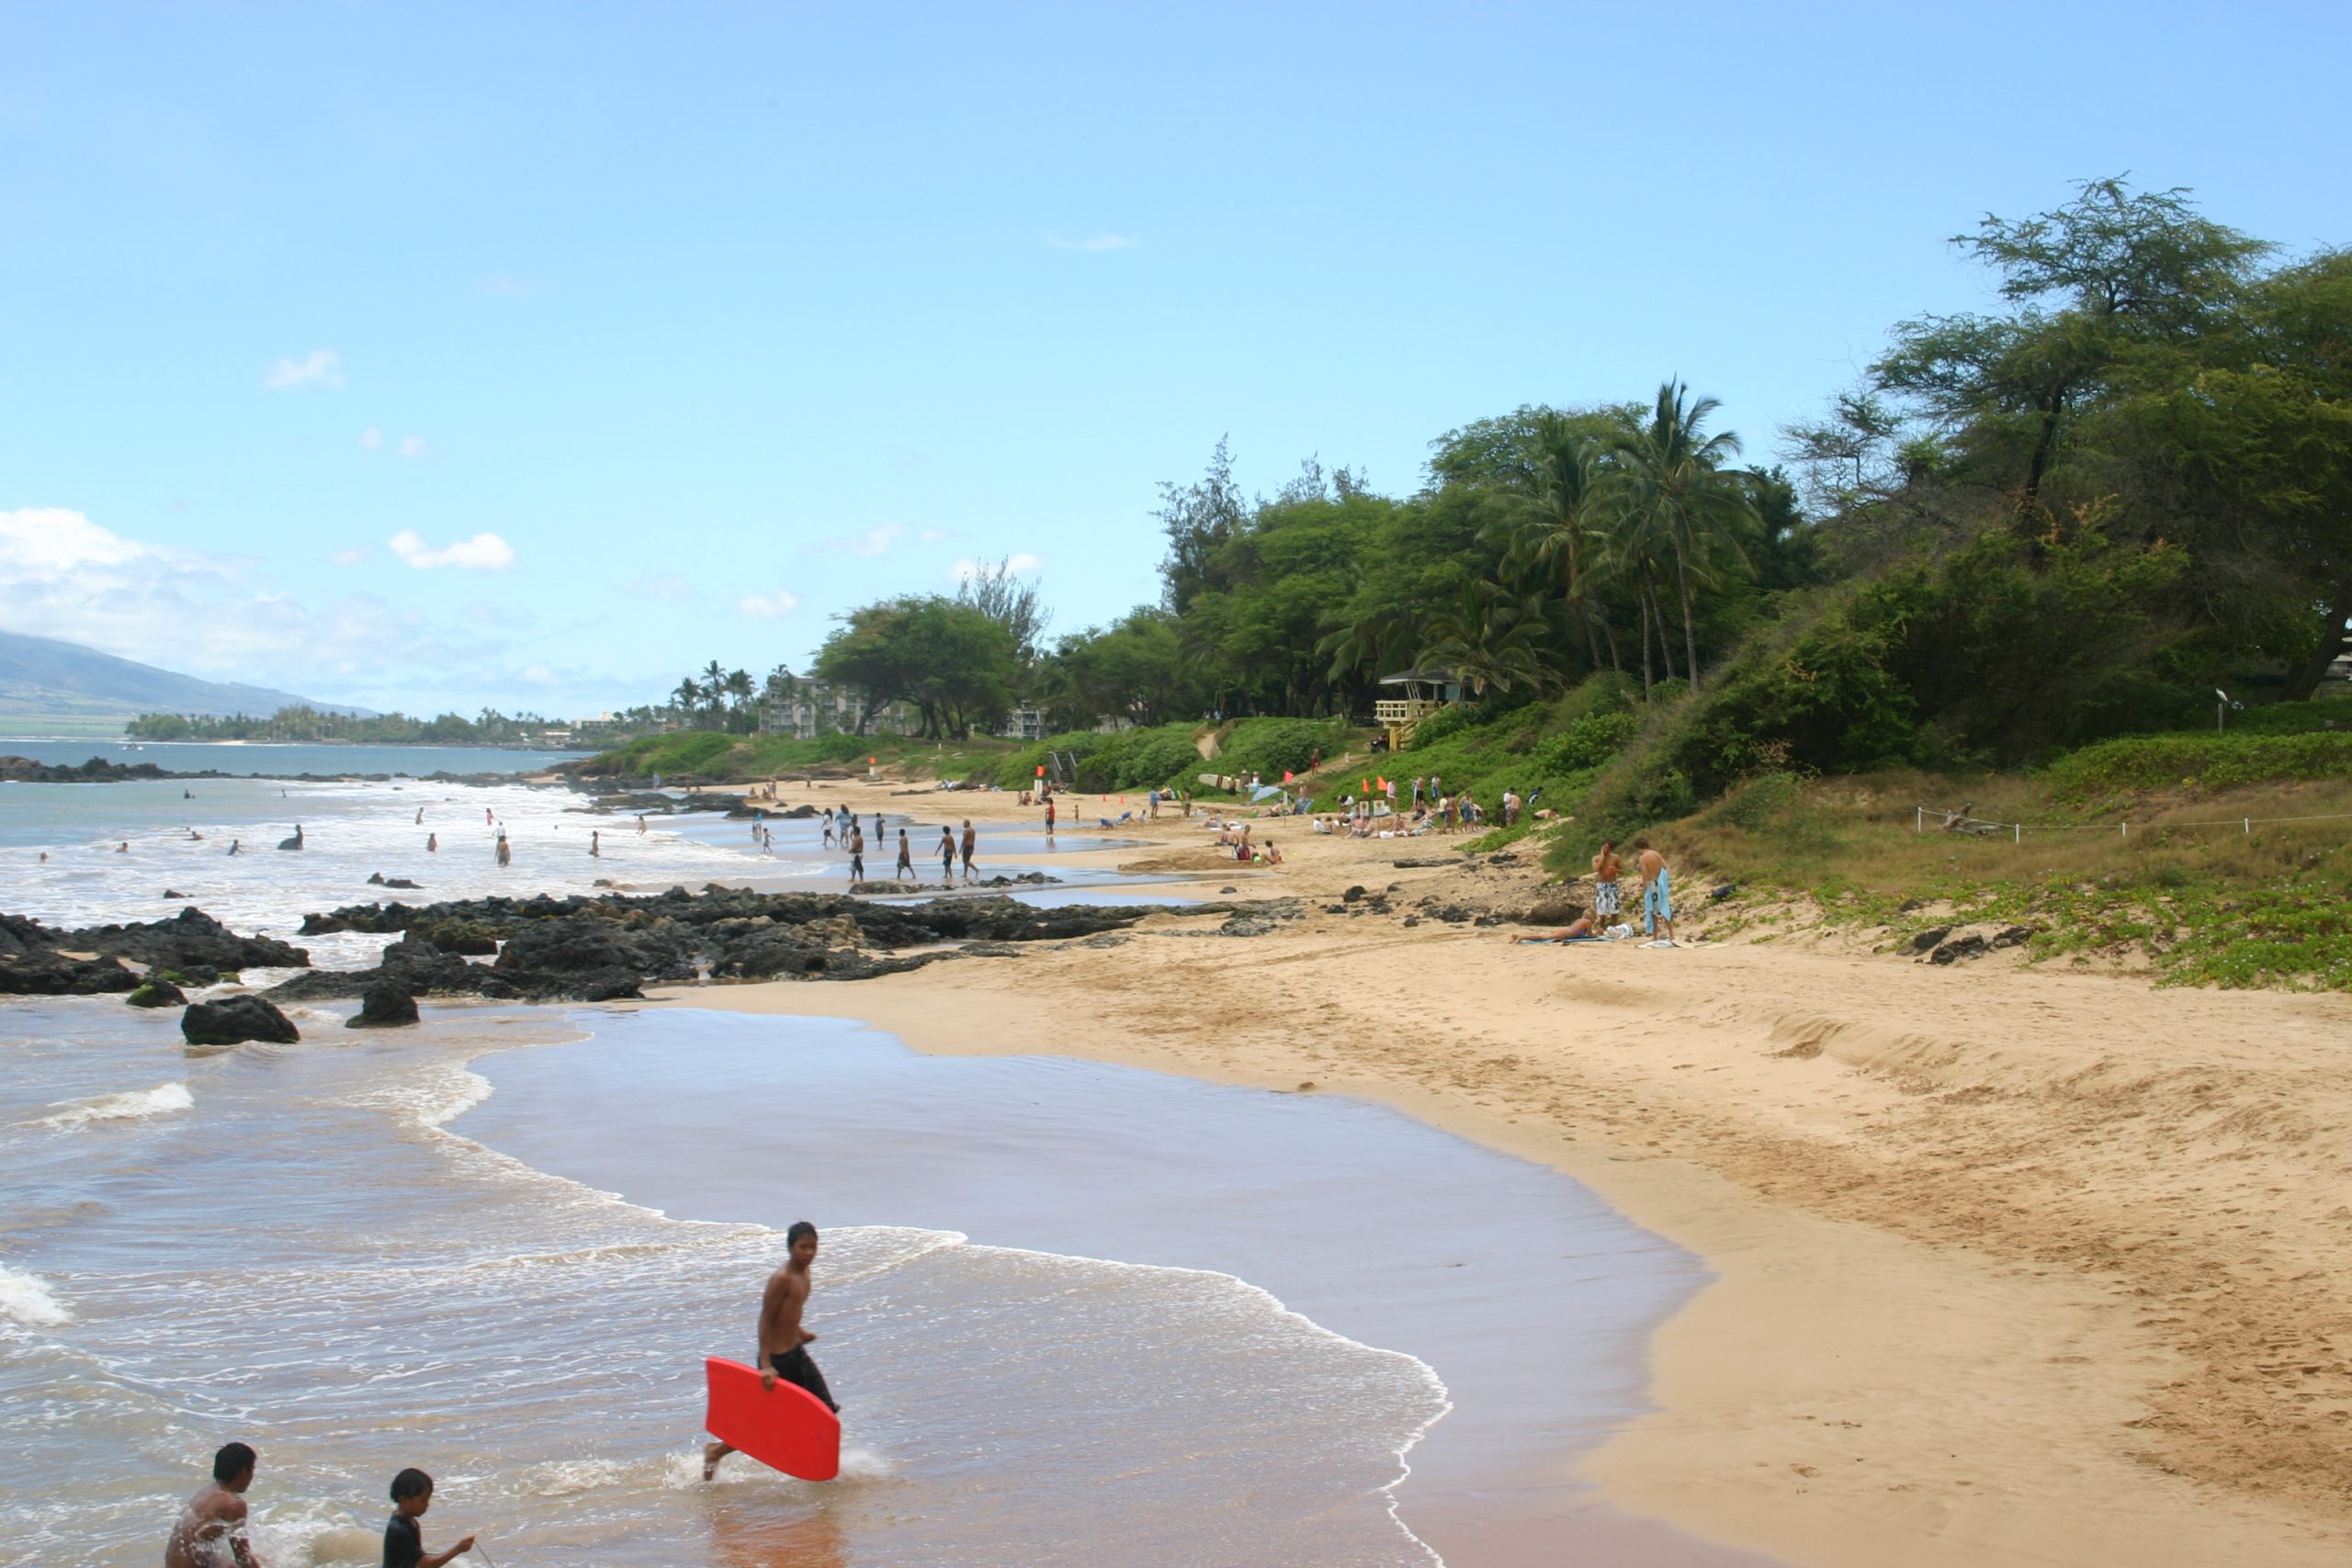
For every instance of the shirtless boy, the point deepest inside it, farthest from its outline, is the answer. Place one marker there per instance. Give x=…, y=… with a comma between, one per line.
x=783, y=1344
x=1606, y=869
x=215, y=1517
x=1657, y=898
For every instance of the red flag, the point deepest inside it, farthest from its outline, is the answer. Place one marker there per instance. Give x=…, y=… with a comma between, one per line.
x=1288, y=776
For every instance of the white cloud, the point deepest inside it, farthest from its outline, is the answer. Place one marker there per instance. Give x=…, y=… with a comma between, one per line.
x=769, y=606
x=322, y=368
x=483, y=552
x=371, y=438
x=416, y=447
x=668, y=586
x=873, y=541
x=932, y=536
x=1018, y=564
x=351, y=557
x=1095, y=242
x=538, y=676
x=65, y=576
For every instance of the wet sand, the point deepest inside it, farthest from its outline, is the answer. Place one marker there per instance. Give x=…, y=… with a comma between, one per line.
x=1531, y=1299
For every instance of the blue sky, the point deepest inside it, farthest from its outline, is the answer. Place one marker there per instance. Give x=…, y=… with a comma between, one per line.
x=437, y=356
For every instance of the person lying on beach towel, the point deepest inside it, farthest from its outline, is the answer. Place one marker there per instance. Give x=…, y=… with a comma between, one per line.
x=1578, y=929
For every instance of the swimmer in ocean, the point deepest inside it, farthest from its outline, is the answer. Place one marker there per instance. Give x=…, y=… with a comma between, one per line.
x=215, y=1517
x=783, y=1342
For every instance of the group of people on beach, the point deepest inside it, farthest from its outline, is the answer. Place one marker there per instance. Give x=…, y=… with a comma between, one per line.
x=210, y=1531
x=1602, y=923
x=846, y=832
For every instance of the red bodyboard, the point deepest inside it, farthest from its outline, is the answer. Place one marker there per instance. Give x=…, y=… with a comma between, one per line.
x=785, y=1427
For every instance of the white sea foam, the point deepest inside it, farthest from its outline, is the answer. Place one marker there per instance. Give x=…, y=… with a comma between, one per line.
x=28, y=1299
x=132, y=1105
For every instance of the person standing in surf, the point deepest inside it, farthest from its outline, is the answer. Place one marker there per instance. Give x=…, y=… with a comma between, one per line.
x=783, y=1342
x=214, y=1518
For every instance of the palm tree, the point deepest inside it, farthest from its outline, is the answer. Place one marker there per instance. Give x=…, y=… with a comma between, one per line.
x=1489, y=637
x=714, y=685
x=1558, y=528
x=687, y=697
x=1669, y=488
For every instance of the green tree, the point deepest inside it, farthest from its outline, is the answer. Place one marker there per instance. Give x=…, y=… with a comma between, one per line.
x=1672, y=495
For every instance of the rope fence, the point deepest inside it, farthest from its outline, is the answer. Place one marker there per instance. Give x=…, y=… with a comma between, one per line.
x=1978, y=826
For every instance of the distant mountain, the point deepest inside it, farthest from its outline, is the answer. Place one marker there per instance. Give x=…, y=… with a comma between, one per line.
x=41, y=677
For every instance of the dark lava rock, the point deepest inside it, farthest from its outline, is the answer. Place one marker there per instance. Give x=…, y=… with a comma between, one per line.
x=97, y=770
x=188, y=937
x=1550, y=912
x=173, y=893
x=1973, y=945
x=1929, y=938
x=1424, y=862
x=383, y=1005
x=1007, y=950
x=43, y=974
x=468, y=937
x=1412, y=920
x=1244, y=925
x=157, y=994
x=234, y=1020
x=1351, y=895
x=378, y=879
x=2015, y=936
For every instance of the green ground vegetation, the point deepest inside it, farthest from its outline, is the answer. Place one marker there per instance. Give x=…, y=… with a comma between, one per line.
x=719, y=757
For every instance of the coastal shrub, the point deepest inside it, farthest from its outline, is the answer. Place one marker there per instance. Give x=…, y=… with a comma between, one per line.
x=1271, y=746
x=1587, y=743
x=2206, y=762
x=2285, y=718
x=1443, y=726
x=1155, y=757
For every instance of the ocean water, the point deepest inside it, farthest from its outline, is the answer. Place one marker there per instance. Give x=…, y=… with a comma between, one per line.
x=287, y=1247
x=1077, y=1315
x=289, y=759
x=114, y=850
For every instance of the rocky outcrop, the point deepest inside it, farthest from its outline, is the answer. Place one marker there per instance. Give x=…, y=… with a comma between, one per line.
x=97, y=770
x=596, y=948
x=188, y=939
x=384, y=1004
x=191, y=948
x=155, y=993
x=232, y=1021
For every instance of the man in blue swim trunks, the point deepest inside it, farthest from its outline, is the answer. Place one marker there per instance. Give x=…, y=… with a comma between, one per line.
x=1658, y=899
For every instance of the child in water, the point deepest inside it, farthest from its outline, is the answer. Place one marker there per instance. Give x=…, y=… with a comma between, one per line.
x=403, y=1538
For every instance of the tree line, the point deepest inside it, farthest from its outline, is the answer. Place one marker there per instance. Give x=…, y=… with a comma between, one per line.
x=299, y=724
x=2067, y=516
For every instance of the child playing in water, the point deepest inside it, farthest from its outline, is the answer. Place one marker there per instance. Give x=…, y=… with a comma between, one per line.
x=403, y=1538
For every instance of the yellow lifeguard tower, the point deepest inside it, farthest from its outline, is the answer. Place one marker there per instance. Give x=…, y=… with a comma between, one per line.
x=1421, y=694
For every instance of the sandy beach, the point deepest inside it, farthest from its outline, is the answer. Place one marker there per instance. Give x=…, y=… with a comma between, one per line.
x=2011, y=1265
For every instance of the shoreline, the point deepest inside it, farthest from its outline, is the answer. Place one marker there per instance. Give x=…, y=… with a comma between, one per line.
x=1894, y=1363
x=1092, y=1164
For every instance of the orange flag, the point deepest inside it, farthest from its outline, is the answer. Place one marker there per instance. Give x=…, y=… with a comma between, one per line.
x=1288, y=776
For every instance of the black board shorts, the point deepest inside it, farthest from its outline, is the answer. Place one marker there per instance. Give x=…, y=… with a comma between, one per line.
x=797, y=1368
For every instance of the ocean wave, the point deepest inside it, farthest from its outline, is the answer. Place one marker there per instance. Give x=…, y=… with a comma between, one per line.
x=131, y=1105
x=28, y=1299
